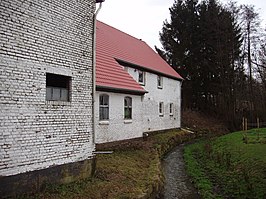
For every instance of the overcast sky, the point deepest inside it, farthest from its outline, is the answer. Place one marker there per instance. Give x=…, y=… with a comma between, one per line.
x=143, y=19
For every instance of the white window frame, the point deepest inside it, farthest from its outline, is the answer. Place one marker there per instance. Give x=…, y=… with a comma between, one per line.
x=159, y=81
x=143, y=77
x=161, y=109
x=171, y=109
x=127, y=106
x=103, y=107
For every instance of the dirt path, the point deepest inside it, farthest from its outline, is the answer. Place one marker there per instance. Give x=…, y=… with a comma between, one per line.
x=177, y=183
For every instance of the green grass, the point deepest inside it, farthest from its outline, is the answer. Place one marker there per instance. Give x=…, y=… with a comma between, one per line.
x=231, y=166
x=131, y=172
x=204, y=185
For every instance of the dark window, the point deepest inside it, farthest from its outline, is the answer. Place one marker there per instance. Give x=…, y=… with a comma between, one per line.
x=141, y=77
x=159, y=81
x=128, y=108
x=57, y=87
x=104, y=107
x=171, y=108
x=161, y=108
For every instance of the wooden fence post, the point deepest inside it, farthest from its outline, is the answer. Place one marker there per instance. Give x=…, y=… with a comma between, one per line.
x=258, y=122
x=243, y=124
x=246, y=124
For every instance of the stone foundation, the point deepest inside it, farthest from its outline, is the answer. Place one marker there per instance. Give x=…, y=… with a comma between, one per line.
x=35, y=181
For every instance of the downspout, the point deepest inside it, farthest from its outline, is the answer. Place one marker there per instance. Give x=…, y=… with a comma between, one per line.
x=181, y=83
x=94, y=68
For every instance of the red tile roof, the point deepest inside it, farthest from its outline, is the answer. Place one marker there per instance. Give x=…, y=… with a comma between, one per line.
x=112, y=45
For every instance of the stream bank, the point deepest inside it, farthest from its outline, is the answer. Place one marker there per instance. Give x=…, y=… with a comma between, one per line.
x=133, y=170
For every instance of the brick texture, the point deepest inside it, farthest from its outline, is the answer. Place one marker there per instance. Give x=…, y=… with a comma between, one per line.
x=39, y=37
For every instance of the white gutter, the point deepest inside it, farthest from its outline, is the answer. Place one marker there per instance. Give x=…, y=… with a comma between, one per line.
x=94, y=71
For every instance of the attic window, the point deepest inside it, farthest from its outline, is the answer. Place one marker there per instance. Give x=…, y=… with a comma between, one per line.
x=160, y=81
x=57, y=87
x=141, y=77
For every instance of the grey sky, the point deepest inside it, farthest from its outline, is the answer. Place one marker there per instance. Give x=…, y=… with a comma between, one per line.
x=143, y=19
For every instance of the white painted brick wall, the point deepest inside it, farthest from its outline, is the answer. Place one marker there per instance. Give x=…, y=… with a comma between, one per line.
x=170, y=93
x=39, y=37
x=117, y=128
x=145, y=110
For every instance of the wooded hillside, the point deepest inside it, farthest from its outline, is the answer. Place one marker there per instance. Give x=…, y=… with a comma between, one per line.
x=220, y=51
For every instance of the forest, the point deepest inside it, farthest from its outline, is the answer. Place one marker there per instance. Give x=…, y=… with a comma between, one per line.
x=220, y=51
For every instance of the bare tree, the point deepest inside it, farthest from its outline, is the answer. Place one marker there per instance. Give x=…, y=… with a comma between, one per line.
x=250, y=23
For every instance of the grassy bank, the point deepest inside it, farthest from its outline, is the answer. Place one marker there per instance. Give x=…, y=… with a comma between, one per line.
x=133, y=170
x=231, y=166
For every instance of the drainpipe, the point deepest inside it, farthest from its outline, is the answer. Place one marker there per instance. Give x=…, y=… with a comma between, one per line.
x=181, y=83
x=94, y=68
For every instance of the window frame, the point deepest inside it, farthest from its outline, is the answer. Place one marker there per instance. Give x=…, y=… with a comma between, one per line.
x=104, y=106
x=128, y=106
x=143, y=77
x=57, y=88
x=159, y=79
x=161, y=109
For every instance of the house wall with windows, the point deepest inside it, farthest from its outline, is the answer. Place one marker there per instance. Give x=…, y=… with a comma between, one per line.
x=125, y=64
x=146, y=115
x=169, y=92
x=46, y=92
x=115, y=127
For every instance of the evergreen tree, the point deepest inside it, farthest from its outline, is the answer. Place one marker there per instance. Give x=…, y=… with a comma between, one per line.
x=181, y=44
x=202, y=42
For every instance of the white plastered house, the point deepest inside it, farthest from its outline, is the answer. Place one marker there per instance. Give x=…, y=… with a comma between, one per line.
x=136, y=90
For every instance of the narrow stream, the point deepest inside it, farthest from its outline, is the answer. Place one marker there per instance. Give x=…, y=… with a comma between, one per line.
x=177, y=183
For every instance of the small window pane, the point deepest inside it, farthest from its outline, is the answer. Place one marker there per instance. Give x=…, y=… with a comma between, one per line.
x=106, y=100
x=126, y=104
x=48, y=93
x=101, y=100
x=56, y=94
x=64, y=94
x=127, y=113
x=104, y=113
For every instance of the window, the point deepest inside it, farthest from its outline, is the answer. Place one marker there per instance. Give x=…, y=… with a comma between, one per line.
x=141, y=77
x=171, y=109
x=104, y=107
x=128, y=108
x=160, y=81
x=57, y=87
x=161, y=108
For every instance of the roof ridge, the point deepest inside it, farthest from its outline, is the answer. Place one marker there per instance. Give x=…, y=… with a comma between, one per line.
x=122, y=31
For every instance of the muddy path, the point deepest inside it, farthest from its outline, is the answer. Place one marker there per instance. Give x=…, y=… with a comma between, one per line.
x=177, y=183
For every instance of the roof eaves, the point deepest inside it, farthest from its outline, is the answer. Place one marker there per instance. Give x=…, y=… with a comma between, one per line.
x=129, y=64
x=120, y=90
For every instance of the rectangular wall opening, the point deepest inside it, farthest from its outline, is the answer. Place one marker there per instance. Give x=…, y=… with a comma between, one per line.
x=57, y=87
